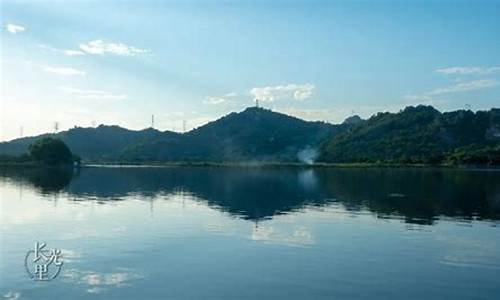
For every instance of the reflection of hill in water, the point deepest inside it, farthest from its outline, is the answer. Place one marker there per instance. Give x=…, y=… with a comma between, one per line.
x=45, y=180
x=419, y=195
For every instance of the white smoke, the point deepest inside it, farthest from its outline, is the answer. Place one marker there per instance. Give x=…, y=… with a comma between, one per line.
x=307, y=155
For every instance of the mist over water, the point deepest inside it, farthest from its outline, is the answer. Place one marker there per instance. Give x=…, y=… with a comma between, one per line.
x=308, y=155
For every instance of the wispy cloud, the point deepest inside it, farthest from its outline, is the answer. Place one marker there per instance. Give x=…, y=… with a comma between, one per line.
x=63, y=71
x=288, y=91
x=468, y=70
x=92, y=94
x=14, y=28
x=65, y=52
x=100, y=47
x=455, y=88
x=73, y=52
x=215, y=100
x=465, y=86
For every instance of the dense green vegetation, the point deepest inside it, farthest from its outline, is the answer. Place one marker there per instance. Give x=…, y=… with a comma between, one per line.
x=50, y=151
x=419, y=135
x=255, y=134
x=415, y=135
x=46, y=151
x=102, y=143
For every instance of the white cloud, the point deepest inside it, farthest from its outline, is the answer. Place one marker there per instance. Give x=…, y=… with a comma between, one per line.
x=465, y=86
x=13, y=28
x=278, y=92
x=73, y=52
x=456, y=88
x=92, y=94
x=215, y=100
x=65, y=52
x=468, y=70
x=101, y=47
x=63, y=71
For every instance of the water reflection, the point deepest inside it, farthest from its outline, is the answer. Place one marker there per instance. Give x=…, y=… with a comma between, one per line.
x=45, y=180
x=419, y=196
x=96, y=282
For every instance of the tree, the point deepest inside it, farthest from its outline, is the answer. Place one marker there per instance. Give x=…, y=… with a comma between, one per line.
x=50, y=151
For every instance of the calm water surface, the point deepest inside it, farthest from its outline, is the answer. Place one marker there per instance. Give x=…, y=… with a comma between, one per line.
x=196, y=233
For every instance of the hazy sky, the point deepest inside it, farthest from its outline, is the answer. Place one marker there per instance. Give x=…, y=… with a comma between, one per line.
x=119, y=62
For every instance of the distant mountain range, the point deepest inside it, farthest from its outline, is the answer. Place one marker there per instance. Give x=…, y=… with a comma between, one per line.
x=255, y=134
x=414, y=135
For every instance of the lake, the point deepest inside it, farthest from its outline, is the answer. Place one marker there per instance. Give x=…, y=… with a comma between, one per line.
x=256, y=233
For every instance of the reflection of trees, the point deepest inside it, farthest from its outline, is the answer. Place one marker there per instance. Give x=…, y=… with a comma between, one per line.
x=45, y=179
x=419, y=195
x=248, y=193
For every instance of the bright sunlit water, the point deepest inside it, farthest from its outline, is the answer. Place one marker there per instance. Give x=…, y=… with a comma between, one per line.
x=269, y=233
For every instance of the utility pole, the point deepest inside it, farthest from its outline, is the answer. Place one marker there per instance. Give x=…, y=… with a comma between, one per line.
x=257, y=103
x=152, y=121
x=56, y=127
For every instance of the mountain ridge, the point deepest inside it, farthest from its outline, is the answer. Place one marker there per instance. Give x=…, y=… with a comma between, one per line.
x=252, y=134
x=419, y=134
x=414, y=135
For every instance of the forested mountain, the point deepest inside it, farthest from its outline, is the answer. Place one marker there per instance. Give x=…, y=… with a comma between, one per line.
x=419, y=135
x=250, y=135
x=256, y=134
x=100, y=143
x=414, y=135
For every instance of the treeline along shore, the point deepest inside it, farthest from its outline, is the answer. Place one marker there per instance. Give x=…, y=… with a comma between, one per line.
x=255, y=137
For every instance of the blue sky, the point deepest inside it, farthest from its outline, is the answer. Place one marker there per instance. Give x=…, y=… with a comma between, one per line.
x=119, y=62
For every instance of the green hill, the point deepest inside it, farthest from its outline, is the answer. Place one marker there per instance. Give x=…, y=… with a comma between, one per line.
x=419, y=135
x=256, y=134
x=414, y=135
x=97, y=144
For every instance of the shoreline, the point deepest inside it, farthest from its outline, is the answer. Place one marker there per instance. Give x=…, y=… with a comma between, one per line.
x=257, y=165
x=265, y=165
